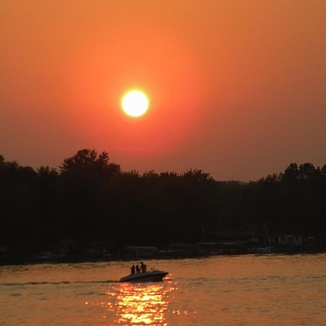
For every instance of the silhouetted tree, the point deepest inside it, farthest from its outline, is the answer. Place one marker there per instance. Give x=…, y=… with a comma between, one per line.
x=83, y=186
x=91, y=199
x=19, y=212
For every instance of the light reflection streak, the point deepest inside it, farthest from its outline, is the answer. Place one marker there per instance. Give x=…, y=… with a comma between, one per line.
x=140, y=304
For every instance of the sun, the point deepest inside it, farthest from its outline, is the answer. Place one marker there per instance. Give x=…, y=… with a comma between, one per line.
x=135, y=103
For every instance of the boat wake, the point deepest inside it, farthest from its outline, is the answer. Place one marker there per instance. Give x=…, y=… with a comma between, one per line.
x=57, y=283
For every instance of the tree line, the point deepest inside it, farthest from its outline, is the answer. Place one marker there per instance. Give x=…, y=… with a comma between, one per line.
x=89, y=198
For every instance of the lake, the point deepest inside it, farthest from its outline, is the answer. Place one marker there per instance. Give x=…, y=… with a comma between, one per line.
x=220, y=290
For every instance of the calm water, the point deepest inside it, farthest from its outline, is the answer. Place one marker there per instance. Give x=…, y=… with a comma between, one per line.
x=235, y=290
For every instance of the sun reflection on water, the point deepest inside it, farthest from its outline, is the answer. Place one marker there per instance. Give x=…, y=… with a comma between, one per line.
x=141, y=304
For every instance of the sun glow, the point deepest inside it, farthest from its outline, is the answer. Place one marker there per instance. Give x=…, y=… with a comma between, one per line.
x=134, y=103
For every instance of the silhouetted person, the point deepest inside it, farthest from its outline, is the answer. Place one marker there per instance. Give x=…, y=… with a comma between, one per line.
x=143, y=267
x=133, y=269
x=137, y=269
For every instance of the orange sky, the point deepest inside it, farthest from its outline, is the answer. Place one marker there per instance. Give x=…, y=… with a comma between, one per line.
x=238, y=87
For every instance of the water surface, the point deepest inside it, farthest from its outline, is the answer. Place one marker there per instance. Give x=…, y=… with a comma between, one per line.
x=221, y=290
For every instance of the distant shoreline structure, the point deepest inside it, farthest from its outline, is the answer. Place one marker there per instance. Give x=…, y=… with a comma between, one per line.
x=47, y=257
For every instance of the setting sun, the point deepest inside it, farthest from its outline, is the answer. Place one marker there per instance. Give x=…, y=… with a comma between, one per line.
x=134, y=103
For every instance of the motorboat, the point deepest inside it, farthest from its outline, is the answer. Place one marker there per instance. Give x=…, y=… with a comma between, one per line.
x=149, y=276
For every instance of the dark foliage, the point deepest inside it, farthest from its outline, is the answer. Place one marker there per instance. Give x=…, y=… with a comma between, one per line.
x=91, y=200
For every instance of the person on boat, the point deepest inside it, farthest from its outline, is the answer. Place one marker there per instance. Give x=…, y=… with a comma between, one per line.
x=133, y=270
x=137, y=269
x=143, y=267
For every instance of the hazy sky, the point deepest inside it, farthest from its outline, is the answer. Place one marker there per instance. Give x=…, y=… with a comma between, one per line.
x=238, y=87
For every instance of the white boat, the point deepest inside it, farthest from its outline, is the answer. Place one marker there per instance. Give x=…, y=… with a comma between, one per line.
x=150, y=276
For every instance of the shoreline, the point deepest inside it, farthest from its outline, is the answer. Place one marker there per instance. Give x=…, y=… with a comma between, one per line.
x=124, y=258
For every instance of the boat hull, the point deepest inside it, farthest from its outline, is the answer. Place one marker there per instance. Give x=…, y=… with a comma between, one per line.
x=153, y=276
